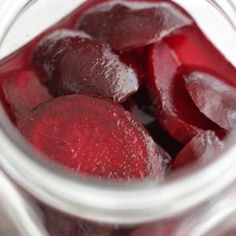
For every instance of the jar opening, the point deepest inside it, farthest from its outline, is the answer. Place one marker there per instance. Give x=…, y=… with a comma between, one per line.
x=128, y=203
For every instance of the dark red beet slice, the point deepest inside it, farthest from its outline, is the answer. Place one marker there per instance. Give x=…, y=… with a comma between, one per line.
x=23, y=91
x=128, y=25
x=174, y=108
x=214, y=98
x=136, y=62
x=193, y=49
x=203, y=148
x=141, y=52
x=74, y=63
x=94, y=136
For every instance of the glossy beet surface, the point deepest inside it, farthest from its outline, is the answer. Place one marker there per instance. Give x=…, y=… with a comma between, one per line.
x=74, y=63
x=202, y=148
x=214, y=98
x=174, y=108
x=94, y=136
x=128, y=25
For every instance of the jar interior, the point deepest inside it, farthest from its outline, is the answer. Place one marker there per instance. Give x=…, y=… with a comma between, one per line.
x=17, y=61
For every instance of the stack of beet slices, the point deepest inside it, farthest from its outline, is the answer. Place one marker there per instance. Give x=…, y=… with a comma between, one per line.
x=134, y=88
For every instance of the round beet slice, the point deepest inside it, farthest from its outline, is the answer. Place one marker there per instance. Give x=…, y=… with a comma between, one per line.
x=203, y=147
x=127, y=25
x=175, y=110
x=94, y=136
x=214, y=98
x=75, y=63
x=23, y=91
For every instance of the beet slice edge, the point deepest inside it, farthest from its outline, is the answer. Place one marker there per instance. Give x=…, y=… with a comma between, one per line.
x=129, y=25
x=214, y=98
x=94, y=136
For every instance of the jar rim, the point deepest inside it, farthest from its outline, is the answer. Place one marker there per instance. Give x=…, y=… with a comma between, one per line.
x=93, y=199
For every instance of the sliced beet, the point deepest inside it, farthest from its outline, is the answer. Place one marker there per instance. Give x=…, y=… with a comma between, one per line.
x=203, y=148
x=214, y=98
x=94, y=136
x=74, y=63
x=23, y=91
x=50, y=49
x=193, y=49
x=175, y=110
x=141, y=51
x=134, y=60
x=127, y=25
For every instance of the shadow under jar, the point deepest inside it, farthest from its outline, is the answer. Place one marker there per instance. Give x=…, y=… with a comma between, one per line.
x=174, y=66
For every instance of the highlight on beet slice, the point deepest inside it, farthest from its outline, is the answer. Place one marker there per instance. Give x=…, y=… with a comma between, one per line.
x=23, y=91
x=127, y=25
x=202, y=148
x=92, y=135
x=214, y=98
x=75, y=63
x=175, y=110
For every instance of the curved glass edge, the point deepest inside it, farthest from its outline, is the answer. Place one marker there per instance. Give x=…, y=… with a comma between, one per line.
x=126, y=205
x=19, y=211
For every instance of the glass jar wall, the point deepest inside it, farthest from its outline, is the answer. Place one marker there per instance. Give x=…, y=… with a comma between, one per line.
x=196, y=201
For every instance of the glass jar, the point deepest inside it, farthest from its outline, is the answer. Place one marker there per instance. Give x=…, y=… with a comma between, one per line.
x=198, y=201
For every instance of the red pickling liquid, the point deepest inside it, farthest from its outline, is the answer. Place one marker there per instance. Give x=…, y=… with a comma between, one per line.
x=27, y=99
x=189, y=44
